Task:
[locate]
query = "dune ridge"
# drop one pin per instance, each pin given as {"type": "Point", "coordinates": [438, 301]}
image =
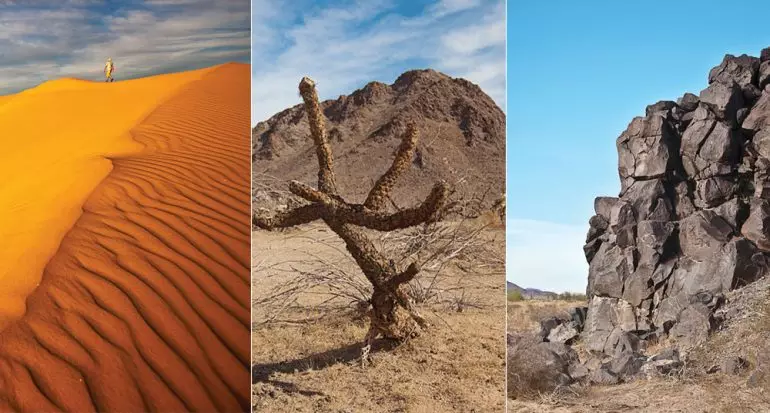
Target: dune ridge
{"type": "Point", "coordinates": [144, 306]}
{"type": "Point", "coordinates": [56, 141]}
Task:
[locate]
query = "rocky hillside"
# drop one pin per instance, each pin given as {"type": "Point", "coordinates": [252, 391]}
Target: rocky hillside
{"type": "Point", "coordinates": [691, 224]}
{"type": "Point", "coordinates": [462, 140]}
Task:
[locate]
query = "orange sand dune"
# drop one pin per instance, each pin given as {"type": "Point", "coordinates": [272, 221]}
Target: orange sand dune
{"type": "Point", "coordinates": [128, 203]}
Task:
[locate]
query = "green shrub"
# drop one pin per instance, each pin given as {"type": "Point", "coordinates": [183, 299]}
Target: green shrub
{"type": "Point", "coordinates": [515, 295]}
{"type": "Point", "coordinates": [568, 296]}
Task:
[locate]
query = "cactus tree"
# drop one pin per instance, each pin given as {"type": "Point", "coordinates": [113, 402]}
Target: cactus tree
{"type": "Point", "coordinates": [392, 314]}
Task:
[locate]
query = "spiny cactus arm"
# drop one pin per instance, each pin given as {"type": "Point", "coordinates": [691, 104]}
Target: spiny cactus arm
{"type": "Point", "coordinates": [363, 217]}
{"type": "Point", "coordinates": [326, 179]}
{"type": "Point", "coordinates": [298, 216]}
{"type": "Point", "coordinates": [424, 213]}
{"type": "Point", "coordinates": [379, 193]}
{"type": "Point", "coordinates": [308, 193]}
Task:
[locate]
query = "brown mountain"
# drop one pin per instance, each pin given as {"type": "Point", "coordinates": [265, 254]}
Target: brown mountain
{"type": "Point", "coordinates": [462, 140]}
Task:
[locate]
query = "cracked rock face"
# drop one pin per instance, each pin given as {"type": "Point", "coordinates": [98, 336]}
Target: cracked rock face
{"type": "Point", "coordinates": [692, 220]}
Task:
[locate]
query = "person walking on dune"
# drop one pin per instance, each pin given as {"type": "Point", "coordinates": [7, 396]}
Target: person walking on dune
{"type": "Point", "coordinates": [109, 68]}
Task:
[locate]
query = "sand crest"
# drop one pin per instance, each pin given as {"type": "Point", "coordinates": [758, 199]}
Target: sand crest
{"type": "Point", "coordinates": [128, 203]}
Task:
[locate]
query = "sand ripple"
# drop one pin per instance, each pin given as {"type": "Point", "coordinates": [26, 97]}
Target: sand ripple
{"type": "Point", "coordinates": [145, 304]}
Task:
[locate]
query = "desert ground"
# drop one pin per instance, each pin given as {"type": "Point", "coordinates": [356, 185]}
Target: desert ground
{"type": "Point", "coordinates": [124, 211]}
{"type": "Point", "coordinates": [692, 392]}
{"type": "Point", "coordinates": [308, 326]}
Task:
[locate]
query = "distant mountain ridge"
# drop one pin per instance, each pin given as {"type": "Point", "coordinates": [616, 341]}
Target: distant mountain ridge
{"type": "Point", "coordinates": [530, 292]}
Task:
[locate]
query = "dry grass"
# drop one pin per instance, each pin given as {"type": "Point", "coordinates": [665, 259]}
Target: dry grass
{"type": "Point", "coordinates": [711, 394]}
{"type": "Point", "coordinates": [308, 327]}
{"type": "Point", "coordinates": [525, 315]}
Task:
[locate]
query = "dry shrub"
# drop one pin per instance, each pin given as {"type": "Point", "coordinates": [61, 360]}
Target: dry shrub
{"type": "Point", "coordinates": [449, 254]}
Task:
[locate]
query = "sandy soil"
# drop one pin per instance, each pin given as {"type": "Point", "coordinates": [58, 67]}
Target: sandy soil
{"type": "Point", "coordinates": [128, 203]}
{"type": "Point", "coordinates": [308, 358]}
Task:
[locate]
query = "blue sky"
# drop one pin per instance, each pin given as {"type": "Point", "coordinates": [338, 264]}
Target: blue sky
{"type": "Point", "coordinates": [49, 39]}
{"type": "Point", "coordinates": [578, 72]}
{"type": "Point", "coordinates": [344, 44]}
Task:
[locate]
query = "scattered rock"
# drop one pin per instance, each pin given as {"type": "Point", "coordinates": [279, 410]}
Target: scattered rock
{"type": "Point", "coordinates": [661, 368]}
{"type": "Point", "coordinates": [578, 316]}
{"type": "Point", "coordinates": [603, 376]}
{"type": "Point", "coordinates": [564, 333]}
{"type": "Point", "coordinates": [733, 365]}
{"type": "Point", "coordinates": [669, 353]}
{"type": "Point", "coordinates": [548, 324]}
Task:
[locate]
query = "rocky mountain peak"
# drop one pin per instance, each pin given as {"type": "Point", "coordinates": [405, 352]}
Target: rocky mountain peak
{"type": "Point", "coordinates": [462, 135]}
{"type": "Point", "coordinates": [419, 78]}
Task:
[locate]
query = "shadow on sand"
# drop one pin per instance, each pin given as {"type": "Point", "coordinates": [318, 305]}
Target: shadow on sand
{"type": "Point", "coordinates": [318, 361]}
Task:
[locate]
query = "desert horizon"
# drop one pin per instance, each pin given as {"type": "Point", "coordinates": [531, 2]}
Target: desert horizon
{"type": "Point", "coordinates": [74, 79]}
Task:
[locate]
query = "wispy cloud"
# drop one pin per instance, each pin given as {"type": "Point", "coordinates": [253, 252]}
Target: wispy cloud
{"type": "Point", "coordinates": [50, 39]}
{"type": "Point", "coordinates": [345, 44]}
{"type": "Point", "coordinates": [546, 255]}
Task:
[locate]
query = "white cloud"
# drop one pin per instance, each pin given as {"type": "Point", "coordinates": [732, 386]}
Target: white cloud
{"type": "Point", "coordinates": [444, 7]}
{"type": "Point", "coordinates": [546, 255]}
{"type": "Point", "coordinates": [349, 44]}
{"type": "Point", "coordinates": [73, 38]}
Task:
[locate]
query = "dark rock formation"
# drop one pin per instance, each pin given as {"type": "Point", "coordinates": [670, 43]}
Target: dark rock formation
{"type": "Point", "coordinates": [692, 220]}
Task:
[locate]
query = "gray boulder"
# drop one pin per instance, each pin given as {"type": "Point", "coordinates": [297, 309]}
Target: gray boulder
{"type": "Point", "coordinates": [565, 333]}
{"type": "Point", "coordinates": [759, 115]}
{"type": "Point", "coordinates": [723, 99]}
{"type": "Point", "coordinates": [660, 368]}
{"type": "Point", "coordinates": [741, 70]}
{"type": "Point", "coordinates": [764, 75]}
{"type": "Point", "coordinates": [537, 367]}
{"type": "Point", "coordinates": [646, 148]}
{"type": "Point", "coordinates": [688, 102]}
{"type": "Point", "coordinates": [693, 326]}
{"type": "Point", "coordinates": [603, 376]}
